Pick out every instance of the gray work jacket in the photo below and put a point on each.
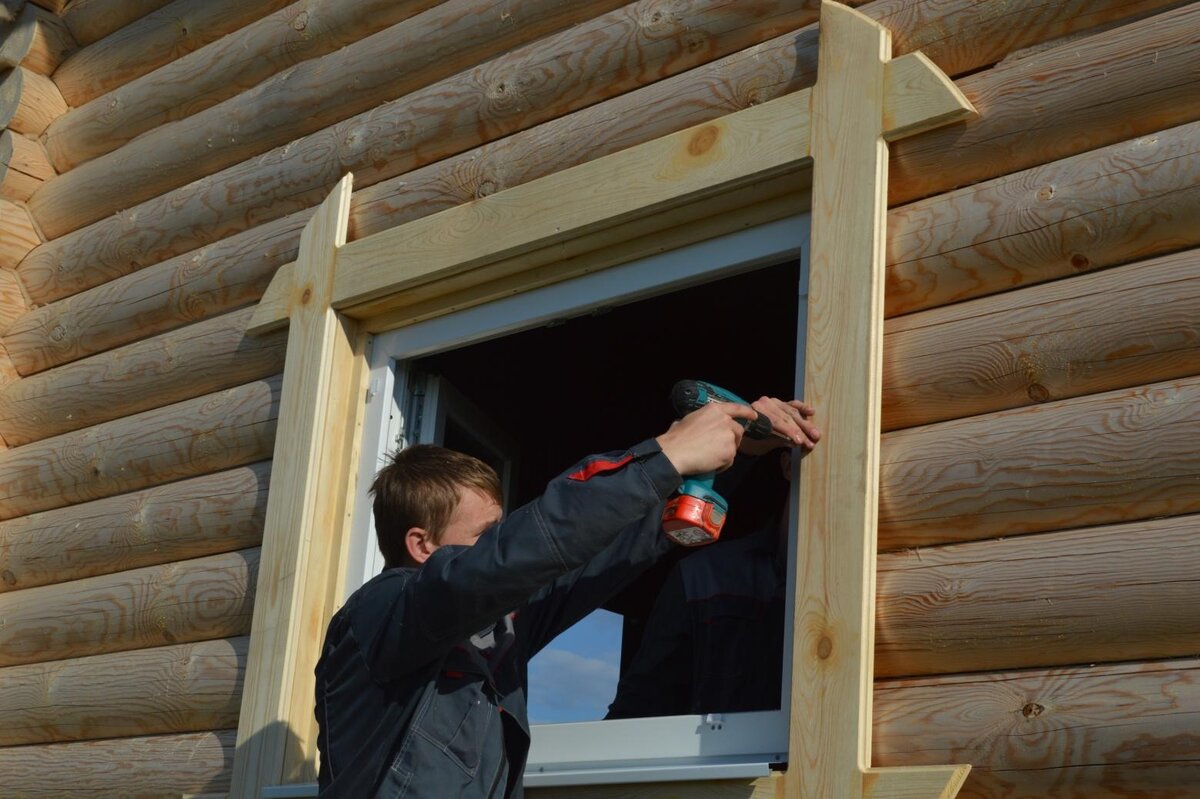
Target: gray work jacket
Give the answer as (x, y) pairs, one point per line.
(422, 680)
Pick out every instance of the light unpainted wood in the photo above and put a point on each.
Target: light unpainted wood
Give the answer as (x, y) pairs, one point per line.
(1119, 328)
(203, 358)
(1117, 204)
(918, 97)
(1115, 731)
(307, 512)
(20, 235)
(29, 102)
(961, 33)
(23, 166)
(92, 20)
(186, 519)
(167, 689)
(914, 782)
(226, 67)
(658, 177)
(180, 602)
(734, 211)
(1102, 459)
(36, 40)
(1119, 593)
(1079, 96)
(159, 765)
(13, 304)
(546, 58)
(148, 43)
(206, 434)
(829, 734)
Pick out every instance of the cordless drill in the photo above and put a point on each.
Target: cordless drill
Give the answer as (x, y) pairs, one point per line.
(696, 513)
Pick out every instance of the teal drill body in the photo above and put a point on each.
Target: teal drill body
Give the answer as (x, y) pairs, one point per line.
(695, 515)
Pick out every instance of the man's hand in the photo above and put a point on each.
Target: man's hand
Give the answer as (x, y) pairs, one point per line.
(792, 422)
(705, 440)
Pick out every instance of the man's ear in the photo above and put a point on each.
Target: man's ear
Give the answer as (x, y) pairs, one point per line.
(419, 544)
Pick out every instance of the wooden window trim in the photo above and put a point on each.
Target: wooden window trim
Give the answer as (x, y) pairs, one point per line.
(824, 148)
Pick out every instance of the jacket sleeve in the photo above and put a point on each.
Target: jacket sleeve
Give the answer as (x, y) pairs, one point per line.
(658, 681)
(460, 590)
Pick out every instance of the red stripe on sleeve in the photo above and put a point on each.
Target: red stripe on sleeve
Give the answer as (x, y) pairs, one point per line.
(598, 466)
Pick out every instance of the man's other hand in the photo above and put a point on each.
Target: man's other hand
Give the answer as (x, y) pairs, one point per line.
(792, 423)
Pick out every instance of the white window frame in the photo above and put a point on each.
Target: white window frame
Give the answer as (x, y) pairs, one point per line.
(691, 747)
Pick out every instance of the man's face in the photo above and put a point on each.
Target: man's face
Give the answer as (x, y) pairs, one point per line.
(474, 513)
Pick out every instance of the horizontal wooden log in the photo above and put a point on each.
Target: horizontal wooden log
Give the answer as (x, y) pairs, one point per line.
(176, 603)
(1109, 732)
(1104, 594)
(222, 69)
(155, 766)
(192, 518)
(36, 40)
(158, 38)
(1124, 82)
(29, 102)
(190, 438)
(160, 229)
(167, 689)
(535, 74)
(91, 20)
(1104, 207)
(20, 235)
(209, 356)
(1123, 327)
(23, 166)
(1103, 459)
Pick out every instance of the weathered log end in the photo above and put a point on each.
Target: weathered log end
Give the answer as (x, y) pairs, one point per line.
(29, 102)
(24, 166)
(35, 39)
(20, 235)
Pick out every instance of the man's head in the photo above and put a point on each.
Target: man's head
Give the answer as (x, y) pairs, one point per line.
(431, 496)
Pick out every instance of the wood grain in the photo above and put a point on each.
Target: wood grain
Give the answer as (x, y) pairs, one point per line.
(1107, 458)
(1104, 594)
(138, 239)
(198, 436)
(307, 514)
(92, 20)
(527, 80)
(222, 69)
(20, 235)
(1125, 82)
(36, 40)
(180, 602)
(1045, 343)
(155, 766)
(1109, 206)
(1114, 731)
(167, 689)
(203, 358)
(156, 39)
(29, 102)
(187, 519)
(13, 304)
(830, 722)
(23, 166)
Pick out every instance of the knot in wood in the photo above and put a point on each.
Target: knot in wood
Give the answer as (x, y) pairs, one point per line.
(824, 647)
(1039, 393)
(300, 21)
(58, 333)
(306, 296)
(8, 577)
(703, 140)
(1080, 261)
(1032, 710)
(1045, 193)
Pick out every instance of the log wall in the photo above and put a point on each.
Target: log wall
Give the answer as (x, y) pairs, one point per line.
(1040, 487)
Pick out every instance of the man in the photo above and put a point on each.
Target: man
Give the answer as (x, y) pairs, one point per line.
(421, 682)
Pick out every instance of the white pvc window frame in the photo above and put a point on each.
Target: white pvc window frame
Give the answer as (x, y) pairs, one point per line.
(689, 747)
